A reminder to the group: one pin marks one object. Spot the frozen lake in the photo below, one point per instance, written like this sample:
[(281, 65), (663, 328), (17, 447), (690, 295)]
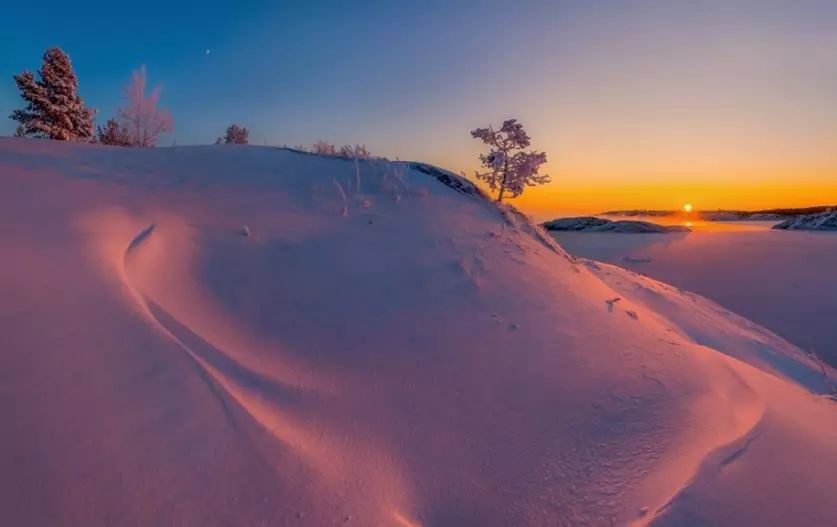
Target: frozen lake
[(782, 280)]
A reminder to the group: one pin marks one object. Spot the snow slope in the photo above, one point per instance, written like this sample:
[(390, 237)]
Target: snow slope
[(783, 280), (378, 349)]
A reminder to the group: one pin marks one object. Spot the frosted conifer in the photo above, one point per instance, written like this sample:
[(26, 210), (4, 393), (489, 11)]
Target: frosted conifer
[(510, 168), (113, 134), (53, 110)]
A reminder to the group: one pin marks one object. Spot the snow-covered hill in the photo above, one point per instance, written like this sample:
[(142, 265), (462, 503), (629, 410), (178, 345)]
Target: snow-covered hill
[(824, 221), (253, 336), (594, 224)]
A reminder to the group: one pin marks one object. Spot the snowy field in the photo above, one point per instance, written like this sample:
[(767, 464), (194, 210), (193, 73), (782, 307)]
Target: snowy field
[(252, 336), (782, 280)]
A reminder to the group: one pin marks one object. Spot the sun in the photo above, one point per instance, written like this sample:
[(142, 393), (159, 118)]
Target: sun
[(687, 207)]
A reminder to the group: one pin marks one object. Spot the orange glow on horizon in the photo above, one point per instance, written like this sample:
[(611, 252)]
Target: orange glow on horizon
[(588, 195)]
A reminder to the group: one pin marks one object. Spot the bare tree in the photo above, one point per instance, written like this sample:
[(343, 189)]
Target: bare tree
[(143, 121)]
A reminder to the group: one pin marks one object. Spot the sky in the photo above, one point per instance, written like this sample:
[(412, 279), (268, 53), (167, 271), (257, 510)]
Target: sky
[(638, 103)]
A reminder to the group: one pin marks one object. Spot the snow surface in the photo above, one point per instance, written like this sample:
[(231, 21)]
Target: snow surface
[(379, 349), (594, 224), (824, 221), (784, 281)]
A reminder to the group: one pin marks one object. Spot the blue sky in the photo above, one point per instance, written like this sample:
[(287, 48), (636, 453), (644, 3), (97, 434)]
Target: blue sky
[(291, 71), (672, 93)]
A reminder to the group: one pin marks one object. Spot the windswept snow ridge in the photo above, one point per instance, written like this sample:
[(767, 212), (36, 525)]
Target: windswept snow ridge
[(397, 352)]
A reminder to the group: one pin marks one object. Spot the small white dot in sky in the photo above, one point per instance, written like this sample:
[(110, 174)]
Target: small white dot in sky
[(207, 52)]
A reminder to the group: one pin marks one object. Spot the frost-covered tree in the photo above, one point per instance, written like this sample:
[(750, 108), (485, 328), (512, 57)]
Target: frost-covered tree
[(114, 134), (53, 108), (20, 131), (324, 148), (237, 135), (510, 168), (140, 117), (356, 151)]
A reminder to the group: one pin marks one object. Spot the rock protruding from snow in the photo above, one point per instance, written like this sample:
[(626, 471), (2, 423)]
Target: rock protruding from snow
[(458, 183), (824, 221), (593, 224)]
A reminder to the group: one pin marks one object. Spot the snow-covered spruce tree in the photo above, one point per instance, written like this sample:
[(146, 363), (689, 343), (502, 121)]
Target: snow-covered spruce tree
[(53, 110), (20, 131), (114, 134), (236, 135), (141, 119), (510, 168)]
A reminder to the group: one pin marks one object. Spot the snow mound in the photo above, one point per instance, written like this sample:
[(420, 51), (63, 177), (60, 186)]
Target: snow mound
[(380, 349), (594, 224), (823, 221)]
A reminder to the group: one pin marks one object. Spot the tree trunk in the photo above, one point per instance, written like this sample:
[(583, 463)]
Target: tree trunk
[(505, 176)]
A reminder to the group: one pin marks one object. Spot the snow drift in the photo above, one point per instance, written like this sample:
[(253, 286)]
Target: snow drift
[(380, 349)]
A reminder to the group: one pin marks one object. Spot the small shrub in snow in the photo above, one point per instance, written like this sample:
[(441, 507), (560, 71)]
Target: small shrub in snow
[(324, 148), (356, 152), (510, 168), (236, 135), (53, 110)]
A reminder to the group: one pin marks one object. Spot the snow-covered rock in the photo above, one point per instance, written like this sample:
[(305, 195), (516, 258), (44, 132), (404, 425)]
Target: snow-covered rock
[(594, 224), (824, 221)]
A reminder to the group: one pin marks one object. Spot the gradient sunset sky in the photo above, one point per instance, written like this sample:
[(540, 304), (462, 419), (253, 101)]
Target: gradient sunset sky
[(639, 103)]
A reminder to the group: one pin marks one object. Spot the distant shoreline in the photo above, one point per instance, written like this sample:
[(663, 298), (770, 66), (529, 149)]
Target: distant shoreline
[(724, 215)]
